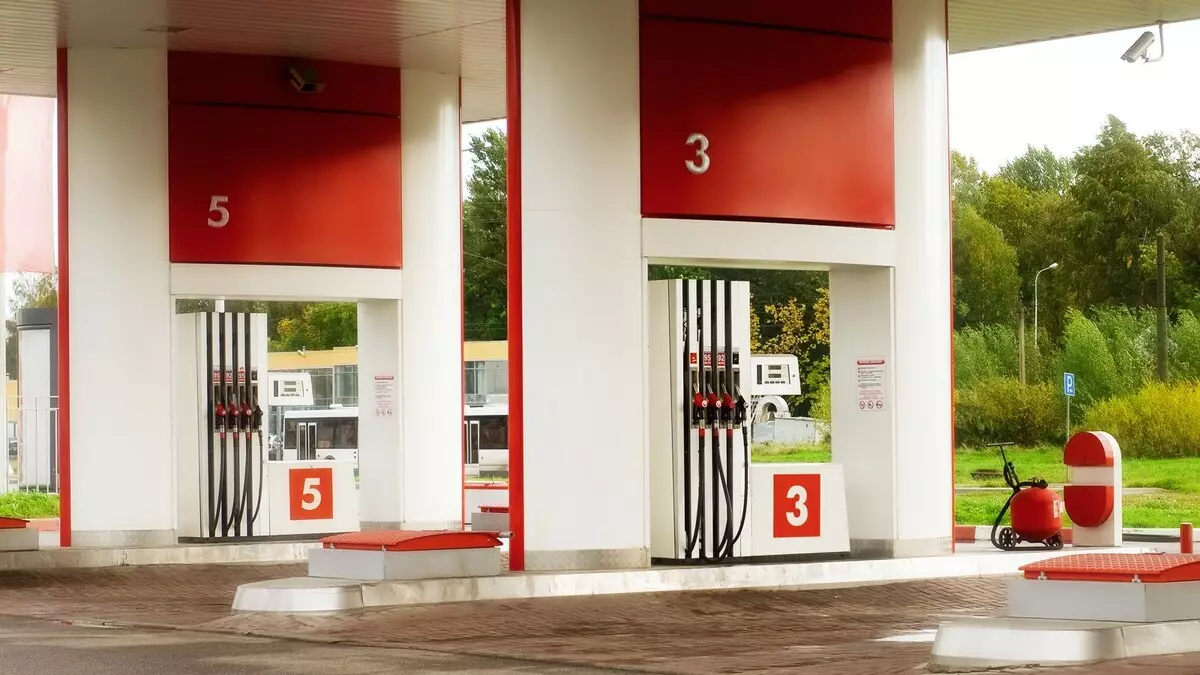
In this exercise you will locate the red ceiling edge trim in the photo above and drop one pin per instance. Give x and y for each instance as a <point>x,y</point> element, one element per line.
<point>64,314</point>
<point>462,299</point>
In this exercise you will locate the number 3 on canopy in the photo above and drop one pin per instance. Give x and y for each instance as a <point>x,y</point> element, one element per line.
<point>698,164</point>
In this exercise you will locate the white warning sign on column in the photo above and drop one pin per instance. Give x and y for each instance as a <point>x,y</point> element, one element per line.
<point>385,395</point>
<point>870,384</point>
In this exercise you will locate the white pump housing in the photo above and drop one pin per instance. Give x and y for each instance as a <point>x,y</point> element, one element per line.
<point>675,482</point>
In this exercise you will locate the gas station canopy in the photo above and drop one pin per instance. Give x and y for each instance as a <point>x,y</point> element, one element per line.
<point>464,37</point>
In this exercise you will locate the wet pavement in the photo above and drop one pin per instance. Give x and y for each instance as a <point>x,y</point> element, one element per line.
<point>877,629</point>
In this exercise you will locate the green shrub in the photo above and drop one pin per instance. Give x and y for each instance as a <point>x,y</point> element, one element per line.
<point>1185,347</point>
<point>1130,334</point>
<point>28,505</point>
<point>822,411</point>
<point>1000,410</point>
<point>1086,353</point>
<point>984,352</point>
<point>1158,421</point>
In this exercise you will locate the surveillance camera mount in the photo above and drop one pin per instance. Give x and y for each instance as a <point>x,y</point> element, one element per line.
<point>304,79</point>
<point>1162,47</point>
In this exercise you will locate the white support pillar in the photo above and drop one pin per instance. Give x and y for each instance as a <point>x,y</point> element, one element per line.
<point>380,436</point>
<point>924,419</point>
<point>585,495</point>
<point>861,332</point>
<point>412,472</point>
<point>122,459</point>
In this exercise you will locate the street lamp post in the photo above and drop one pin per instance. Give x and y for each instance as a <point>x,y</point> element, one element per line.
<point>1051,266</point>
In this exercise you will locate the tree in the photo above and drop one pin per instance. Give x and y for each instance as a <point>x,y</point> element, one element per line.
<point>966,179</point>
<point>986,285</point>
<point>1032,223</point>
<point>35,291</point>
<point>1039,170</point>
<point>29,291</point>
<point>485,245</point>
<point>795,328</point>
<point>276,311</point>
<point>321,325</point>
<point>1125,198</point>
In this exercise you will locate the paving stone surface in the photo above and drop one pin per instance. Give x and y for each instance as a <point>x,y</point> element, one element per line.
<point>878,629</point>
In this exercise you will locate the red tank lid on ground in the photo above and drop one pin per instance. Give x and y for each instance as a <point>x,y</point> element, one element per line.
<point>1143,567</point>
<point>411,540</point>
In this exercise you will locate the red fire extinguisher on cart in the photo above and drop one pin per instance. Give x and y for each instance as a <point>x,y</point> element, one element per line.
<point>1036,511</point>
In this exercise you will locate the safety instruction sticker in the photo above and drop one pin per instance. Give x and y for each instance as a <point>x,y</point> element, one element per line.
<point>870,384</point>
<point>385,395</point>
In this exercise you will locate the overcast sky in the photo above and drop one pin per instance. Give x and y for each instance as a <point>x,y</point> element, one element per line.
<point>1058,93</point>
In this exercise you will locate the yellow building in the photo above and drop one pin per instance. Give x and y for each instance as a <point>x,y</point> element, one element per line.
<point>493,350</point>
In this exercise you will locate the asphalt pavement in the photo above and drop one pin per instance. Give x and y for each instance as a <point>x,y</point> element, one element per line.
<point>50,647</point>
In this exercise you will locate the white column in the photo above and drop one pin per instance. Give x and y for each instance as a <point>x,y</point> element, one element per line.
<point>122,471</point>
<point>380,437</point>
<point>861,329</point>
<point>924,447</point>
<point>585,440</point>
<point>430,385</point>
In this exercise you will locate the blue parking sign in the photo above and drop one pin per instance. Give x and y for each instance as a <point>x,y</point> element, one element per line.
<point>1069,384</point>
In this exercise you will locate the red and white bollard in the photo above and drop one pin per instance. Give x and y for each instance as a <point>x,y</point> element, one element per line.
<point>1093,495</point>
<point>1185,538</point>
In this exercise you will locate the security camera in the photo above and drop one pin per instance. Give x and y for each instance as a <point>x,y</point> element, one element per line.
<point>1140,48</point>
<point>305,80</point>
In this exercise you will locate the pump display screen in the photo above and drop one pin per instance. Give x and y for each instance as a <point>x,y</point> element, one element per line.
<point>774,374</point>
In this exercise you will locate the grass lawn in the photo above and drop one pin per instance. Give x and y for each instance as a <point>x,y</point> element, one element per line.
<point>1180,477</point>
<point>28,505</point>
<point>1162,510</point>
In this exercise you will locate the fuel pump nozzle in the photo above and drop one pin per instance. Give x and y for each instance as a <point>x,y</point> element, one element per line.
<point>219,419</point>
<point>713,418</point>
<point>728,410</point>
<point>699,408</point>
<point>256,418</point>
<point>247,421</point>
<point>740,411</point>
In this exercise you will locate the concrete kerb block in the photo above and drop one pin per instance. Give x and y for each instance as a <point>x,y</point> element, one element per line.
<point>19,539</point>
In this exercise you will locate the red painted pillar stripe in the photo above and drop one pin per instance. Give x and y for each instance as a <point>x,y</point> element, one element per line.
<point>64,315</point>
<point>516,354</point>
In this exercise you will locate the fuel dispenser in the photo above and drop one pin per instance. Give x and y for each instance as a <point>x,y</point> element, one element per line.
<point>220,417</point>
<point>700,450</point>
<point>708,502</point>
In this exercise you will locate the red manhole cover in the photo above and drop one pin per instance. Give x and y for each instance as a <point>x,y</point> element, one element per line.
<point>1145,567</point>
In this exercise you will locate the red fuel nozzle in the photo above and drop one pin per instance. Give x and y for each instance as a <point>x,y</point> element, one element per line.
<point>219,415</point>
<point>247,419</point>
<point>699,406</point>
<point>727,406</point>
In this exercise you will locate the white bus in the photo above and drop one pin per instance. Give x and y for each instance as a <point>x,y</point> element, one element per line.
<point>333,434</point>
<point>485,438</point>
<point>330,433</point>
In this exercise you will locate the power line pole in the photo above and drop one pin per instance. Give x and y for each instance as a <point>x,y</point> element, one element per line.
<point>1021,344</point>
<point>1162,307</point>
